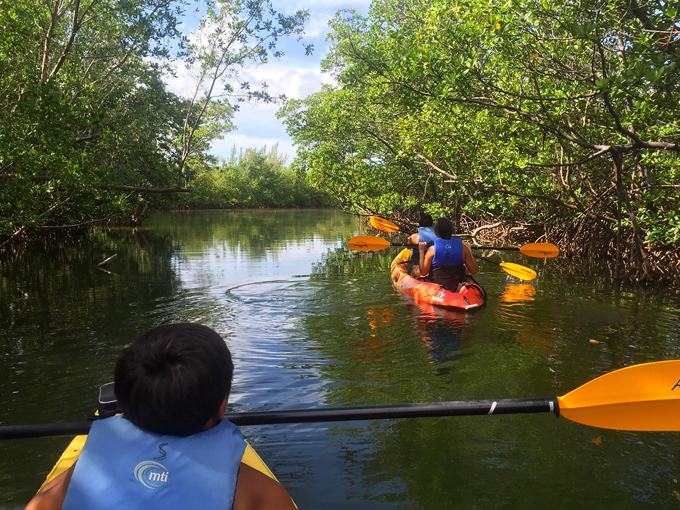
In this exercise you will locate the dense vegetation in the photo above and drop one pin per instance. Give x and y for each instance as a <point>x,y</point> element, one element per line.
<point>252,178</point>
<point>535,119</point>
<point>88,131</point>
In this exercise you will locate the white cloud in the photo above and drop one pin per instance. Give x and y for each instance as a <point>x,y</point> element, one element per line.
<point>317,27</point>
<point>183,83</point>
<point>289,78</point>
<point>295,75</point>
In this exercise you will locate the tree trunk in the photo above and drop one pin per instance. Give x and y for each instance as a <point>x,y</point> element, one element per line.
<point>637,246</point>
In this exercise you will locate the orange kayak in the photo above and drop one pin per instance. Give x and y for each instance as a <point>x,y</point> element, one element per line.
<point>469,296</point>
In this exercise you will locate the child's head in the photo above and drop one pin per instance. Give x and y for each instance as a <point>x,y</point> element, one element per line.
<point>425,221</point>
<point>443,228</point>
<point>173,379</point>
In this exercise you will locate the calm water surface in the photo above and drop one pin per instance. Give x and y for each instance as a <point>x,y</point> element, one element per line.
<point>311,324</point>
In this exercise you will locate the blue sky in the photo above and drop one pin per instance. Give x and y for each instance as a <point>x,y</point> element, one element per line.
<point>294,75</point>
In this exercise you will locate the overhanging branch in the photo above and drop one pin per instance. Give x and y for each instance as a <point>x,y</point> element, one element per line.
<point>139,189</point>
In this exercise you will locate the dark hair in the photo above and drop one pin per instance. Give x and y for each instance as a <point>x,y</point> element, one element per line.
<point>173,379</point>
<point>425,221</point>
<point>443,228</point>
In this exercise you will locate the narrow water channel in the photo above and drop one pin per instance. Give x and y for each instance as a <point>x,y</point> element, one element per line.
<point>311,324</point>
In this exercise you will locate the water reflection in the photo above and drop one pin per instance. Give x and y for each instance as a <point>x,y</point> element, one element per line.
<point>373,347</point>
<point>514,294</point>
<point>63,323</point>
<point>311,323</point>
<point>444,332</point>
<point>528,341</point>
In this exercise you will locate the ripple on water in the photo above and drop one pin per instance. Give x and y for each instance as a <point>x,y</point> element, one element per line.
<point>311,324</point>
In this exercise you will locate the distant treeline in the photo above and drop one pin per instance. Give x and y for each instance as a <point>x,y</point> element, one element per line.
<point>252,179</point>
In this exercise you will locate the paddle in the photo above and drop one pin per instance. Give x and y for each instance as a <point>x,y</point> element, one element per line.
<point>383,224</point>
<point>369,243</point>
<point>638,397</point>
<point>537,250</point>
<point>521,272</point>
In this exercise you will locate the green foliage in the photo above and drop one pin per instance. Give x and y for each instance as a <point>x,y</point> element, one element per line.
<point>252,179</point>
<point>88,132</point>
<point>562,114</point>
<point>81,107</point>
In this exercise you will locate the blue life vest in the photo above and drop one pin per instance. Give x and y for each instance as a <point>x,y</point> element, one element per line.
<point>448,252</point>
<point>426,235</point>
<point>123,466</point>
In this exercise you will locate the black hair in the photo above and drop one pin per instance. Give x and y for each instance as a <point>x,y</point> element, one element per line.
<point>173,379</point>
<point>425,221</point>
<point>443,228</point>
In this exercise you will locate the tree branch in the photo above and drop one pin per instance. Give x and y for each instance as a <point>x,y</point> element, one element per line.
<point>139,189</point>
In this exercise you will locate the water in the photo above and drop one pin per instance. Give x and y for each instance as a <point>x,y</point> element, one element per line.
<point>311,324</point>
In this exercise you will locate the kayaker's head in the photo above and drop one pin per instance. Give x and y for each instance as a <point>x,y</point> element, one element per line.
<point>174,379</point>
<point>443,228</point>
<point>425,221</point>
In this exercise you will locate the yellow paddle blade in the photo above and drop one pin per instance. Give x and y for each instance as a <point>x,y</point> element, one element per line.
<point>383,224</point>
<point>540,250</point>
<point>521,272</point>
<point>367,243</point>
<point>639,397</point>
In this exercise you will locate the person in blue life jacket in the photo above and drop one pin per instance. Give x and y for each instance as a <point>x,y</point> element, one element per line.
<point>171,447</point>
<point>425,234</point>
<point>448,260</point>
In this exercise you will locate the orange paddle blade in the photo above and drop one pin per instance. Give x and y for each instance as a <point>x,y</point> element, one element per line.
<point>521,272</point>
<point>367,243</point>
<point>540,250</point>
<point>639,397</point>
<point>383,224</point>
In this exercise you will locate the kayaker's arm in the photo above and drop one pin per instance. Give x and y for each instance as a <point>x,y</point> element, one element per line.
<point>425,259</point>
<point>51,497</point>
<point>468,259</point>
<point>256,491</point>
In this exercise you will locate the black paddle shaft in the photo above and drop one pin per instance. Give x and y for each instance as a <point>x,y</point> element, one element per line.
<point>487,260</point>
<point>424,410</point>
<point>504,248</point>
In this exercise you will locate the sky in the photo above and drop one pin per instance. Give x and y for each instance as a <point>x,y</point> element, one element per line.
<point>294,75</point>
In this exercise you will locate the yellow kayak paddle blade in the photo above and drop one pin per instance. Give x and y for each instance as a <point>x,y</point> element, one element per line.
<point>540,250</point>
<point>521,272</point>
<point>639,397</point>
<point>367,243</point>
<point>383,224</point>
